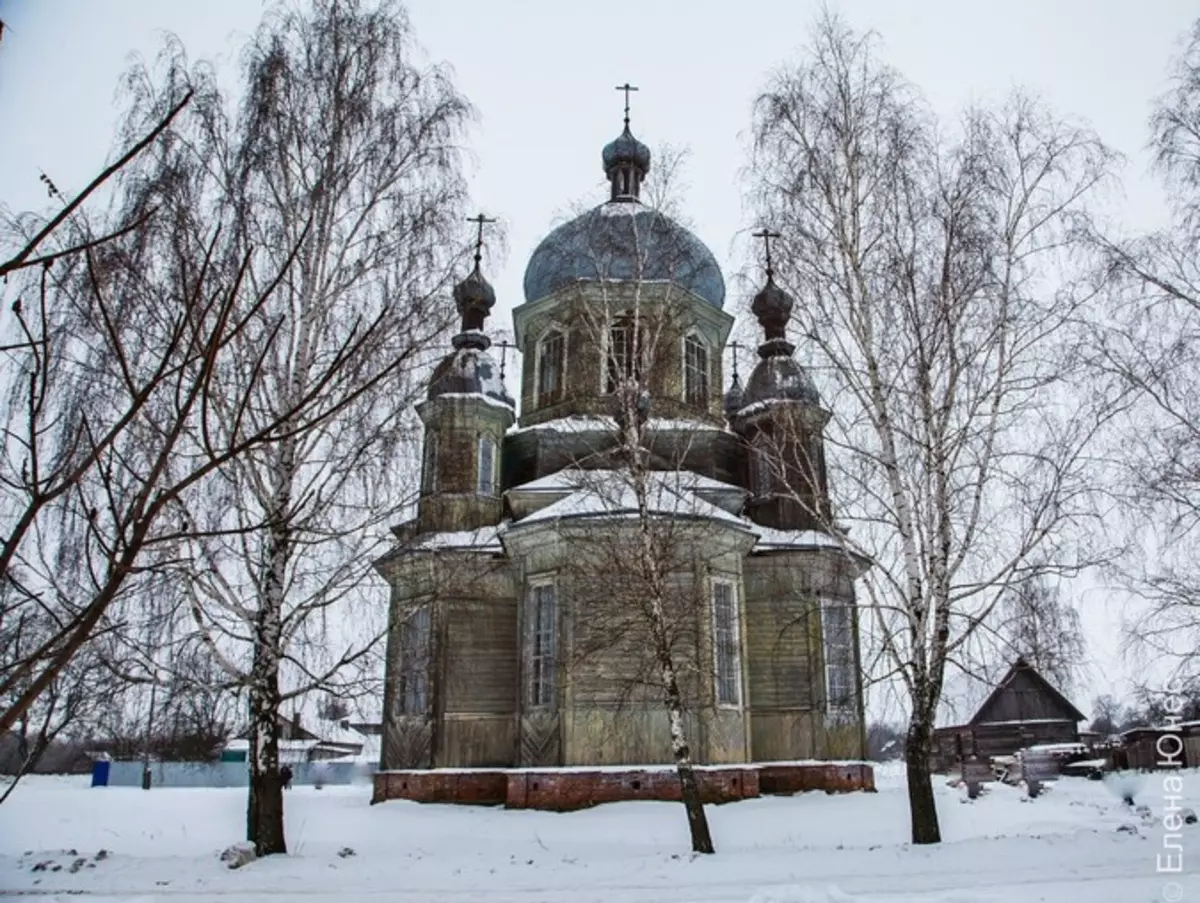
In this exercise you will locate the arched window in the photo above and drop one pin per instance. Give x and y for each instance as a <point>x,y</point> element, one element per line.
<point>551,351</point>
<point>695,370</point>
<point>486,484</point>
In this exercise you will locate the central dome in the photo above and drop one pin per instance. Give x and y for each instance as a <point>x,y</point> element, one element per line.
<point>623,240</point>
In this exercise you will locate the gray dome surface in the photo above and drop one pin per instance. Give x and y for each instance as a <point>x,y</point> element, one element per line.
<point>780,378</point>
<point>625,147</point>
<point>470,370</point>
<point>623,240</point>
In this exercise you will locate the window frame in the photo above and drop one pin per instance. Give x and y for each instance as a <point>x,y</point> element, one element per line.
<point>629,328</point>
<point>543,399</point>
<point>694,337</point>
<point>847,701</point>
<point>430,462</point>
<point>726,646</point>
<point>413,674</point>
<point>541,674</point>
<point>485,441</point>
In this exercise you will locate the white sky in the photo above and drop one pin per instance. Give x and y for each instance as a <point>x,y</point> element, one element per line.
<point>541,75</point>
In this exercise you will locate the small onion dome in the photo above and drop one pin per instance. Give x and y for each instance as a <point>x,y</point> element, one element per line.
<point>625,149</point>
<point>773,308</point>
<point>475,298</point>
<point>734,397</point>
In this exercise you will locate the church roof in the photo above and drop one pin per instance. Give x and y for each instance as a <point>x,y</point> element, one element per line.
<point>623,240</point>
<point>579,493</point>
<point>609,493</point>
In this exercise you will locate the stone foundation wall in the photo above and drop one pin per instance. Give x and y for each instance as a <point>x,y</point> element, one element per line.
<point>567,789</point>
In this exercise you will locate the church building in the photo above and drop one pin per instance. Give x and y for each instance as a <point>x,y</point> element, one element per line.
<point>517,629</point>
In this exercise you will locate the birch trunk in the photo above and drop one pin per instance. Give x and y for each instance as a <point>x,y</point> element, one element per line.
<point>655,579</point>
<point>918,753</point>
<point>264,820</point>
<point>689,788</point>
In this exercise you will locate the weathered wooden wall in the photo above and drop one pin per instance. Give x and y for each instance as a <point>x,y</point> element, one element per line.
<point>785,659</point>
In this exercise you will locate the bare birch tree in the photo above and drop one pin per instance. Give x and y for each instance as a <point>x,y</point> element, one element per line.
<point>928,301</point>
<point>1149,347</point>
<point>347,150</point>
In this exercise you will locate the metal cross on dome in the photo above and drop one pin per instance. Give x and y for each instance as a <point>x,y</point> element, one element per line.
<point>735,347</point>
<point>627,88</point>
<point>480,220</point>
<point>766,235</point>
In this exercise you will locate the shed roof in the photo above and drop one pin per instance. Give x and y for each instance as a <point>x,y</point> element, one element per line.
<point>1022,667</point>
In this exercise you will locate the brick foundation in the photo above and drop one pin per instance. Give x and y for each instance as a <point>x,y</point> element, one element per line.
<point>787,779</point>
<point>479,788</point>
<point>564,790</point>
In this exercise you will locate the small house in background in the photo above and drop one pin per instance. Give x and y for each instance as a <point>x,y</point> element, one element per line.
<point>299,744</point>
<point>1023,710</point>
<point>1162,746</point>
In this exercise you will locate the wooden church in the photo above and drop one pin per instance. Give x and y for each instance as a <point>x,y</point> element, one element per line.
<point>514,633</point>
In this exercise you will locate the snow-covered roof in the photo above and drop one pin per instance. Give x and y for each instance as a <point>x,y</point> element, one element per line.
<point>610,493</point>
<point>678,493</point>
<point>573,478</point>
<point>485,539</point>
<point>242,744</point>
<point>770,538</point>
<point>589,424</point>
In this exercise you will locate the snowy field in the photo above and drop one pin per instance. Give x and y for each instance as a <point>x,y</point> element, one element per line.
<point>164,845</point>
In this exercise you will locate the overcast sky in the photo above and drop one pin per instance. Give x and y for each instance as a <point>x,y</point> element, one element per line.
<point>541,75</point>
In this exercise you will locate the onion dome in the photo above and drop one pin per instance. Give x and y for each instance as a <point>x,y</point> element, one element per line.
<point>475,298</point>
<point>625,149</point>
<point>469,369</point>
<point>777,377</point>
<point>624,241</point>
<point>773,308</point>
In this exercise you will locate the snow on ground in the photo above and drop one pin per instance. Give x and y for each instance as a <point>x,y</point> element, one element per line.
<point>812,848</point>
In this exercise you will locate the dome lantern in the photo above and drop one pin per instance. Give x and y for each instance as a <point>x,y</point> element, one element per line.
<point>626,160</point>
<point>778,376</point>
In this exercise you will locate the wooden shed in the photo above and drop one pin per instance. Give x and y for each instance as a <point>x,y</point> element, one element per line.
<point>1023,710</point>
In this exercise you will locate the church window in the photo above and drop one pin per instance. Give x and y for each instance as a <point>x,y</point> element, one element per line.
<point>624,346</point>
<point>837,628</point>
<point>695,370</point>
<point>415,658</point>
<point>542,618</point>
<point>550,374</point>
<point>726,645</point>
<point>431,462</point>
<point>487,465</point>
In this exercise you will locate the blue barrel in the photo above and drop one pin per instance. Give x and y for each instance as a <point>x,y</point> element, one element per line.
<point>100,773</point>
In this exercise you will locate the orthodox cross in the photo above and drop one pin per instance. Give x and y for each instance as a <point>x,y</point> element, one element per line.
<point>626,88</point>
<point>480,220</point>
<point>735,347</point>
<point>503,345</point>
<point>766,235</point>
